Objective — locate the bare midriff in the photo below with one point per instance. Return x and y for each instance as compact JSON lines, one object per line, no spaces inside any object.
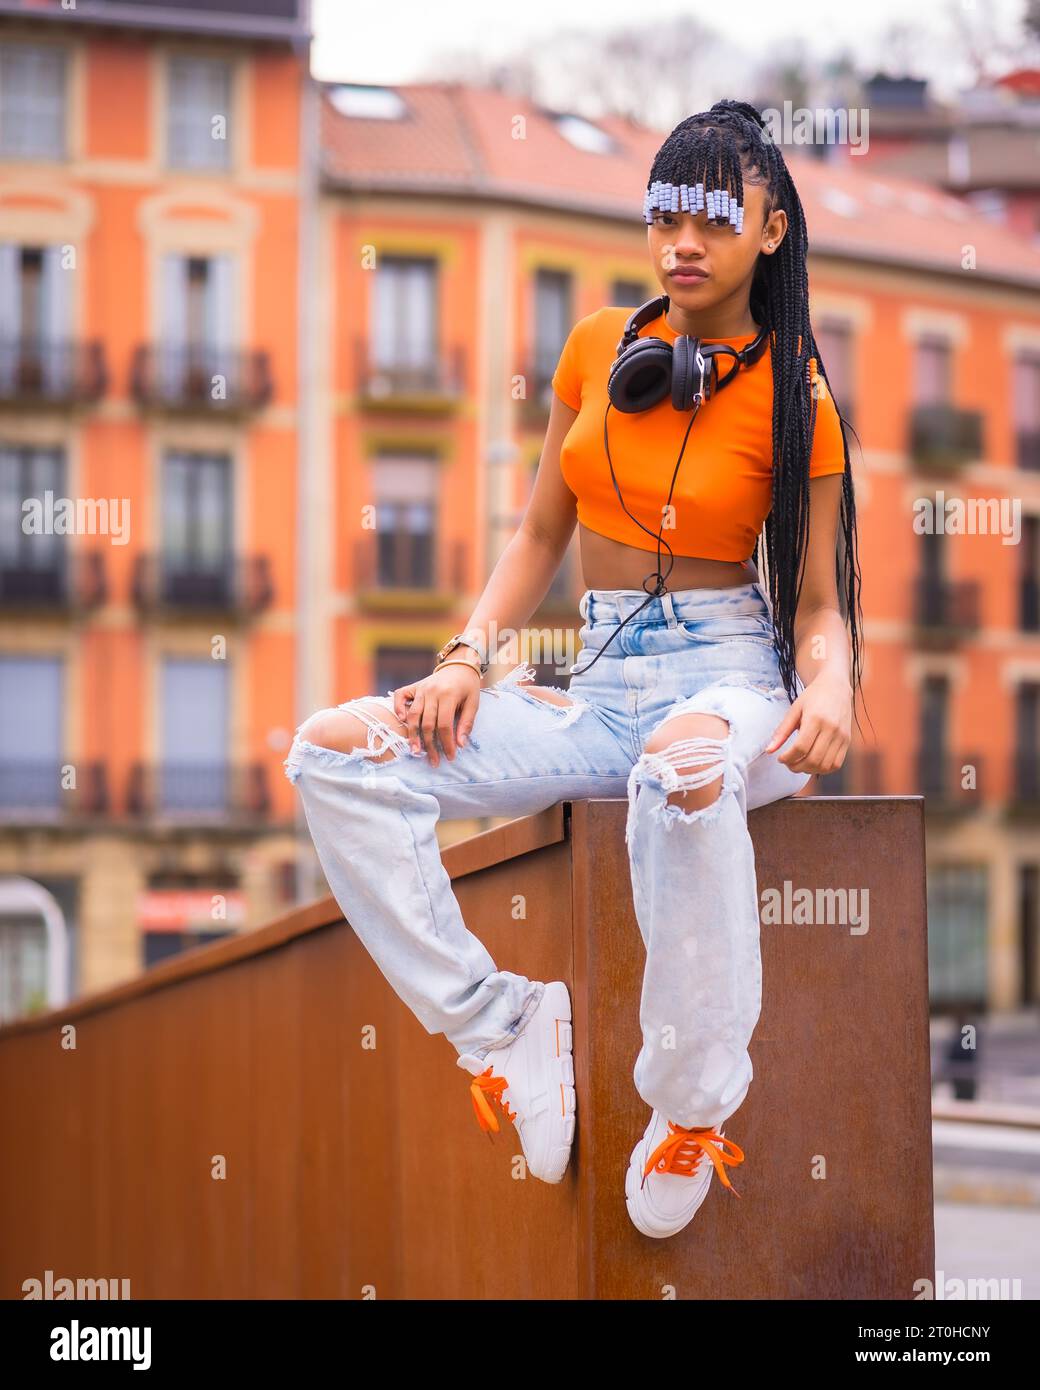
{"x":608,"y":564}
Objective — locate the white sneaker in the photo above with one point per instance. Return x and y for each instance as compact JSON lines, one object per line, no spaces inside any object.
{"x":670,"y":1172}
{"x":532,"y":1079}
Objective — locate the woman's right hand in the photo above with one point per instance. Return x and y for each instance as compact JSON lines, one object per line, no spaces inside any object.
{"x":430,"y":706}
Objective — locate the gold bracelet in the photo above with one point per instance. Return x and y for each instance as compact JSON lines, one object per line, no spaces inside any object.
{"x":456,"y":661}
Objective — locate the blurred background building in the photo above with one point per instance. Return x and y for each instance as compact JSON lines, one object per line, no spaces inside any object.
{"x":305,"y":331}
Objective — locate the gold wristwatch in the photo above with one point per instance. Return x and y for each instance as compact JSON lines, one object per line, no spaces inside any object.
{"x":460,"y":638}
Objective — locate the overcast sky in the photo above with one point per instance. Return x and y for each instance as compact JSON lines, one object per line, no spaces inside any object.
{"x":396,"y":41}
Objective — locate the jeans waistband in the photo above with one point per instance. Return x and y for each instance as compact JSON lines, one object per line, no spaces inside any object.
{"x":678,"y":605}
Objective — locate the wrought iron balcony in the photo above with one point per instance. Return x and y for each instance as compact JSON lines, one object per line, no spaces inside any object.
{"x":413,"y":569}
{"x":51,"y":372}
{"x":945,"y":611}
{"x":199,"y":791}
{"x":40,"y":790}
{"x":201,"y":379}
{"x":859,"y":775}
{"x":173,"y":582}
{"x":942,"y":436}
{"x":424,"y":381}
{"x":940,"y":777}
{"x":55,"y":580}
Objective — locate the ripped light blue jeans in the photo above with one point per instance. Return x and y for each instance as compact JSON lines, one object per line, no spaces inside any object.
{"x":694,"y":886}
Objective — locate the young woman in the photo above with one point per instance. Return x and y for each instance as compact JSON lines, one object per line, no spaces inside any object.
{"x":699,"y":693}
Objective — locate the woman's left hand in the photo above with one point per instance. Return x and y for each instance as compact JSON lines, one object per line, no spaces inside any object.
{"x":822,"y":714}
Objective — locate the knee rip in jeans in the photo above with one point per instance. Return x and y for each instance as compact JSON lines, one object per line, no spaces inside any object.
{"x":680,"y":767}
{"x":567,"y":709}
{"x":384,"y":744}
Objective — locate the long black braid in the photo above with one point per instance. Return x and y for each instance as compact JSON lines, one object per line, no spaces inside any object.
{"x":721,"y":148}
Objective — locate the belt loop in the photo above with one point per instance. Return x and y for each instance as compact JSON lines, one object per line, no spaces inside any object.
{"x":669,"y":612}
{"x":583,"y":606}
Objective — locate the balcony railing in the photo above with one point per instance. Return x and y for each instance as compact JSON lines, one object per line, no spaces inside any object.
{"x":198,"y":791}
{"x":943,"y":436}
{"x":56,"y":372}
{"x":1025,"y":782}
{"x":193,"y":584}
{"x":945,"y":610}
{"x":201,"y":379}
{"x":432,"y":380}
{"x":34,"y":790}
{"x":413,"y":568}
{"x":1027,"y":449}
{"x":940,"y":778}
{"x":58,"y":582}
{"x":859,"y":775}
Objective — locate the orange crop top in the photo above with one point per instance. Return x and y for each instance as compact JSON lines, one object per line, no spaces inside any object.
{"x":723,"y":491}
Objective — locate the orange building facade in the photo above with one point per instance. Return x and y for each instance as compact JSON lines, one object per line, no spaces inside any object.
{"x":150,"y":208}
{"x":388,"y":352}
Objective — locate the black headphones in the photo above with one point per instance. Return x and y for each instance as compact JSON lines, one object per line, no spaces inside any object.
{"x":645,"y":371}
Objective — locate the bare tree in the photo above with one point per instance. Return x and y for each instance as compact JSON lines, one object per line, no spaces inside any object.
{"x":650,"y":74}
{"x":985,"y":45}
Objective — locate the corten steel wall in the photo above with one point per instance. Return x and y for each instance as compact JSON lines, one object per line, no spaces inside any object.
{"x":353,"y":1169}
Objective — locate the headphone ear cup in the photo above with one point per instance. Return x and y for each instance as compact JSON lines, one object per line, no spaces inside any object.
{"x":682,"y":371}
{"x":688,"y":376}
{"x":641,"y":376}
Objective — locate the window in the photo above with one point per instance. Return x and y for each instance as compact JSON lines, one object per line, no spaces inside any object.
{"x":1026,"y":409}
{"x":406,"y":522}
{"x":933,"y":726}
{"x":834,"y":340}
{"x":23,"y":966}
{"x":404,"y":319}
{"x":932,"y":370}
{"x":584,"y":135}
{"x":397,"y":666}
{"x":553,"y":321}
{"x":1027,"y":741}
{"x":1029,"y":933}
{"x":31,"y":704}
{"x":198,"y":325}
{"x":1029,"y":577}
{"x":25,"y":947}
{"x":368,"y":103}
{"x":198,"y":300}
{"x":32,"y":566}
{"x":957,"y":915}
{"x":198,"y":113}
{"x":34,"y":313}
{"x":32,"y":101}
{"x":193,"y":735}
{"x":630,"y":293}
{"x":196,"y":514}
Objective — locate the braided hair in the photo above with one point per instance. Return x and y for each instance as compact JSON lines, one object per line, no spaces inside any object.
{"x":721,"y":148}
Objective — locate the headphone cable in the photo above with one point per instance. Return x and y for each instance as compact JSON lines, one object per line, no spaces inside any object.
{"x":659,"y":587}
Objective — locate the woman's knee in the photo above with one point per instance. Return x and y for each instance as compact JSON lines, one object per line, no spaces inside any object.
{"x":364,"y":725}
{"x":688,"y":752}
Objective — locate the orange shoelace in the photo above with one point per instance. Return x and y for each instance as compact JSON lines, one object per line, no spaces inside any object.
{"x":683,"y":1150}
{"x":482,"y":1088}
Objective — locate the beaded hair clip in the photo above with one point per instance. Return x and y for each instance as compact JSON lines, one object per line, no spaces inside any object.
{"x":684,"y":197}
